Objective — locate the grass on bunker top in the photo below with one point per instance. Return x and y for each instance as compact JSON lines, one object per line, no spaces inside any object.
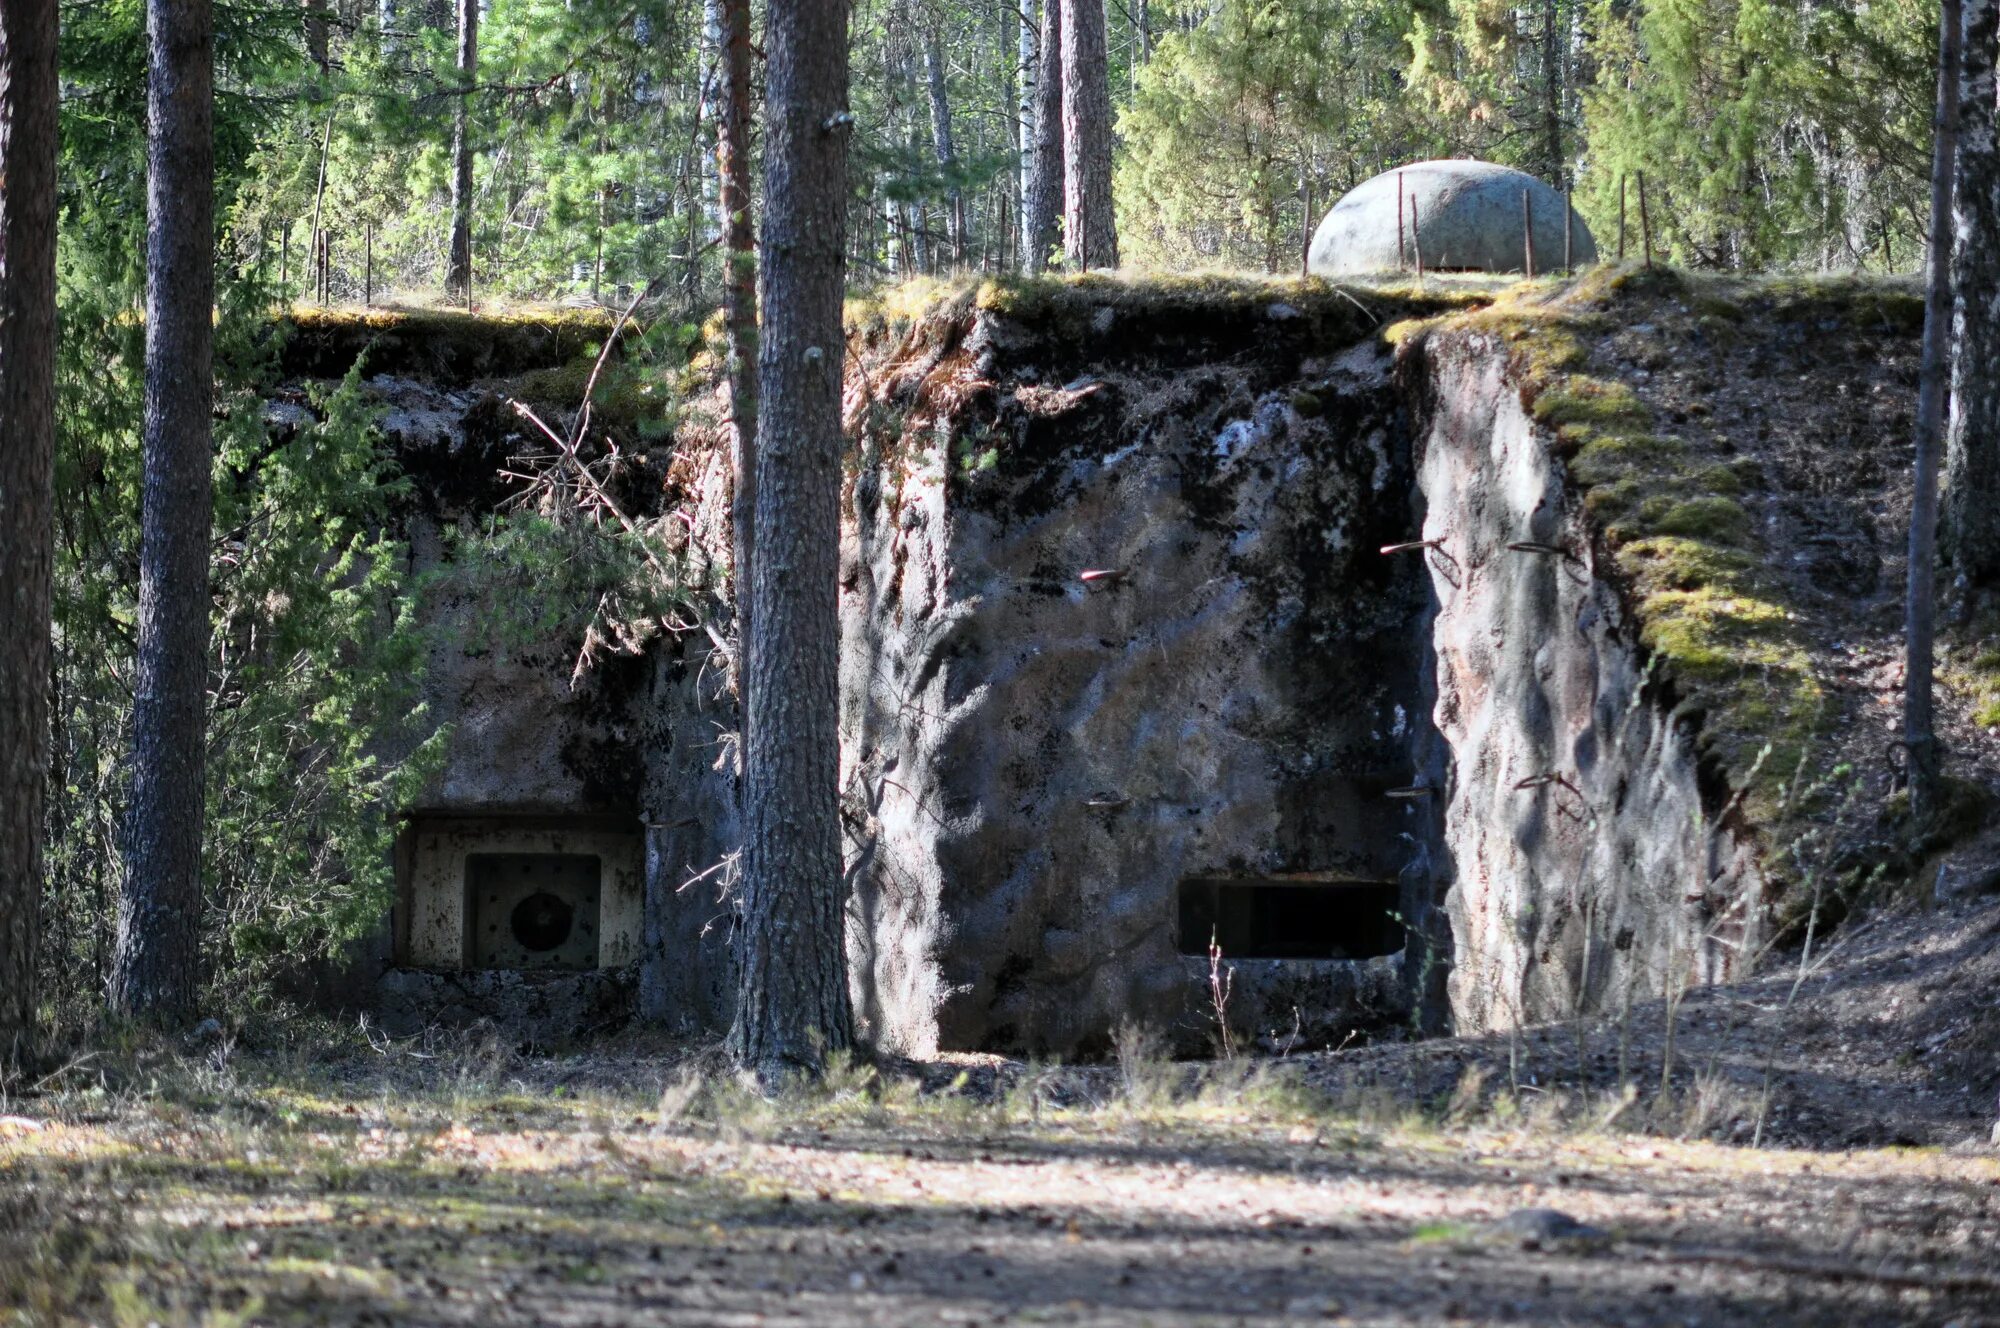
{"x":453,"y":1180}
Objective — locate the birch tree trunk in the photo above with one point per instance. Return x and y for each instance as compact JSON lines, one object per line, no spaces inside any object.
{"x":1972,"y":449}
{"x":1045,"y":192}
{"x":28,"y":108}
{"x":1090,"y":233}
{"x":1027,"y":71}
{"x":1919,"y":715}
{"x":458,"y":271}
{"x":155,"y":967}
{"x":792,"y":999}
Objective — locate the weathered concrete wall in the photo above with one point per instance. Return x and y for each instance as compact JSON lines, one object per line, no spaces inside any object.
{"x":1586,"y":864}
{"x":1033,"y":762}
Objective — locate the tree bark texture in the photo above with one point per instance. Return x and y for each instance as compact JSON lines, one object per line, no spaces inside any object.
{"x":155,"y":968}
{"x":1045,"y":190}
{"x":739,"y":293}
{"x":314,"y":13}
{"x":1920,"y":623}
{"x":1972,"y":450}
{"x":947,"y":155}
{"x":28,"y":105}
{"x":1090,"y":233}
{"x":458,"y":270}
{"x":1027,"y":70}
{"x":792,"y":998}
{"x":1552,"y":92}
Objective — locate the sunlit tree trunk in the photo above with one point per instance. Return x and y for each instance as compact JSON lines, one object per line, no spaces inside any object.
{"x":1090,"y":232}
{"x":792,"y":1000}
{"x":1045,"y":191}
{"x":739,"y":293}
{"x":458,"y":271}
{"x":1027,"y":72}
{"x":1919,"y":717}
{"x":155,"y":969}
{"x":27,"y":477}
{"x":947,"y":155}
{"x":1972,"y":450}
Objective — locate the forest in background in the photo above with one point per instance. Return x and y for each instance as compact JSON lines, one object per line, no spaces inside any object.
{"x":1789,"y":134}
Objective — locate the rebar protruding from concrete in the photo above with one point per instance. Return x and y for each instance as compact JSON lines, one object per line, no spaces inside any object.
{"x":1528,"y":234}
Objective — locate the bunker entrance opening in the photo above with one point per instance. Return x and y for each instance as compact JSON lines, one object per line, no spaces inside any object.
{"x":1290,"y":917}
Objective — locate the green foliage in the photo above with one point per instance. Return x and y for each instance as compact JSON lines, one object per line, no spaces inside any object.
{"x":1235,"y":115}
{"x":528,"y":581}
{"x":316,"y":727}
{"x":589,"y":156}
{"x":1768,"y":133}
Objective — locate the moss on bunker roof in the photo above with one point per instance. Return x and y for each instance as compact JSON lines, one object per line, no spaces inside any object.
{"x":451,"y":345}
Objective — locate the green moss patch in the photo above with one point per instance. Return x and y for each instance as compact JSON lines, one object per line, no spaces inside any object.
{"x":1720,"y":628}
{"x":448,"y":344}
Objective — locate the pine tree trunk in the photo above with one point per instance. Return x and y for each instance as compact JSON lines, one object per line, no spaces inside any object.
{"x":1043,"y":207}
{"x":1027,"y":72}
{"x":1919,"y":716}
{"x":1552,"y":92}
{"x":792,"y":999}
{"x":27,"y":478}
{"x":155,"y":968}
{"x":315,"y":25}
{"x":739,"y":293}
{"x":1972,"y":450}
{"x":1090,"y":233}
{"x":458,"y":272}
{"x":947,"y":156}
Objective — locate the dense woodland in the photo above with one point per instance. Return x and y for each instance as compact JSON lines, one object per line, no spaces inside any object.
{"x":1770,"y":134}
{"x":228,"y":624}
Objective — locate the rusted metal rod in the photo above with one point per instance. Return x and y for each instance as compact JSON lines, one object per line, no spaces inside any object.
{"x":1416,"y":236}
{"x":1569,"y":235}
{"x":1621,"y":218}
{"x":1528,"y":234}
{"x":1645,"y":222}
{"x":1402,"y":254}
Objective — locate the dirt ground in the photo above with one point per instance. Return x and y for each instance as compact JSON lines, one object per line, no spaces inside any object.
{"x":343,"y":1181}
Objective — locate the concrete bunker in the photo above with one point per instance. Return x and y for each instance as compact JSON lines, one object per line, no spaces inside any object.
{"x":1137,"y":679}
{"x":1449,"y":216}
{"x":1167,"y":621}
{"x":540,"y":894}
